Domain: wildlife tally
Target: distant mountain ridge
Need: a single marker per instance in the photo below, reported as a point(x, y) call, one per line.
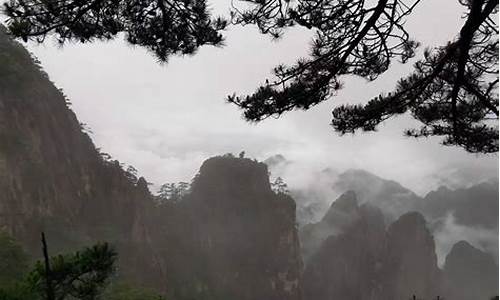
point(388, 195)
point(474, 207)
point(391, 253)
point(352, 254)
point(231, 236)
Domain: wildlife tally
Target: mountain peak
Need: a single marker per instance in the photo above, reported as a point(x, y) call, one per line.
point(343, 210)
point(221, 172)
point(463, 251)
point(346, 202)
point(409, 222)
point(472, 273)
point(463, 245)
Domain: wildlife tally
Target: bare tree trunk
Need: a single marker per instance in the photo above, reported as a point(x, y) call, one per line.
point(48, 279)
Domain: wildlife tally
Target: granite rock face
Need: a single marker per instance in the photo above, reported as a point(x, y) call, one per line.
point(231, 236)
point(348, 265)
point(367, 261)
point(342, 213)
point(53, 179)
point(410, 262)
point(241, 234)
point(470, 273)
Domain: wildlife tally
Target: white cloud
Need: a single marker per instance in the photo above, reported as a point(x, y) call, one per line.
point(449, 233)
point(165, 119)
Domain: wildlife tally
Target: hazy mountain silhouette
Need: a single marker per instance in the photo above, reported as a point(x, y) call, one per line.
point(469, 212)
point(388, 195)
point(231, 237)
point(471, 273)
point(347, 264)
point(342, 213)
point(350, 254)
point(473, 206)
point(368, 261)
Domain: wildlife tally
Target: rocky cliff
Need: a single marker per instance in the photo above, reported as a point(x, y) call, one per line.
point(353, 255)
point(364, 260)
point(470, 273)
point(342, 213)
point(348, 265)
point(52, 178)
point(239, 237)
point(410, 261)
point(232, 236)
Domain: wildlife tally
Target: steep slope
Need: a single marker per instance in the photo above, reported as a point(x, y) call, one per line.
point(232, 236)
point(342, 213)
point(347, 265)
point(471, 273)
point(239, 237)
point(410, 264)
point(367, 262)
point(51, 176)
point(388, 195)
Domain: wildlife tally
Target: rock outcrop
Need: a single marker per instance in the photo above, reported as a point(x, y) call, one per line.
point(388, 195)
point(53, 179)
point(348, 265)
point(241, 236)
point(232, 237)
point(470, 273)
point(410, 261)
point(366, 261)
point(342, 213)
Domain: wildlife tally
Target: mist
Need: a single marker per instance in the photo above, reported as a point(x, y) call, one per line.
point(132, 165)
point(448, 233)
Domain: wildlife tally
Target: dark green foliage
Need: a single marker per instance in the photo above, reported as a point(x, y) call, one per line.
point(81, 275)
point(18, 68)
point(453, 90)
point(19, 291)
point(13, 261)
point(84, 275)
point(163, 27)
point(14, 264)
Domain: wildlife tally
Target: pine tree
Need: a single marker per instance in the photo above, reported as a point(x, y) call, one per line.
point(81, 275)
point(163, 27)
point(453, 90)
point(279, 186)
point(131, 174)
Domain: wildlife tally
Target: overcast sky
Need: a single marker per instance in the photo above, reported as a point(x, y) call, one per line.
point(166, 119)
